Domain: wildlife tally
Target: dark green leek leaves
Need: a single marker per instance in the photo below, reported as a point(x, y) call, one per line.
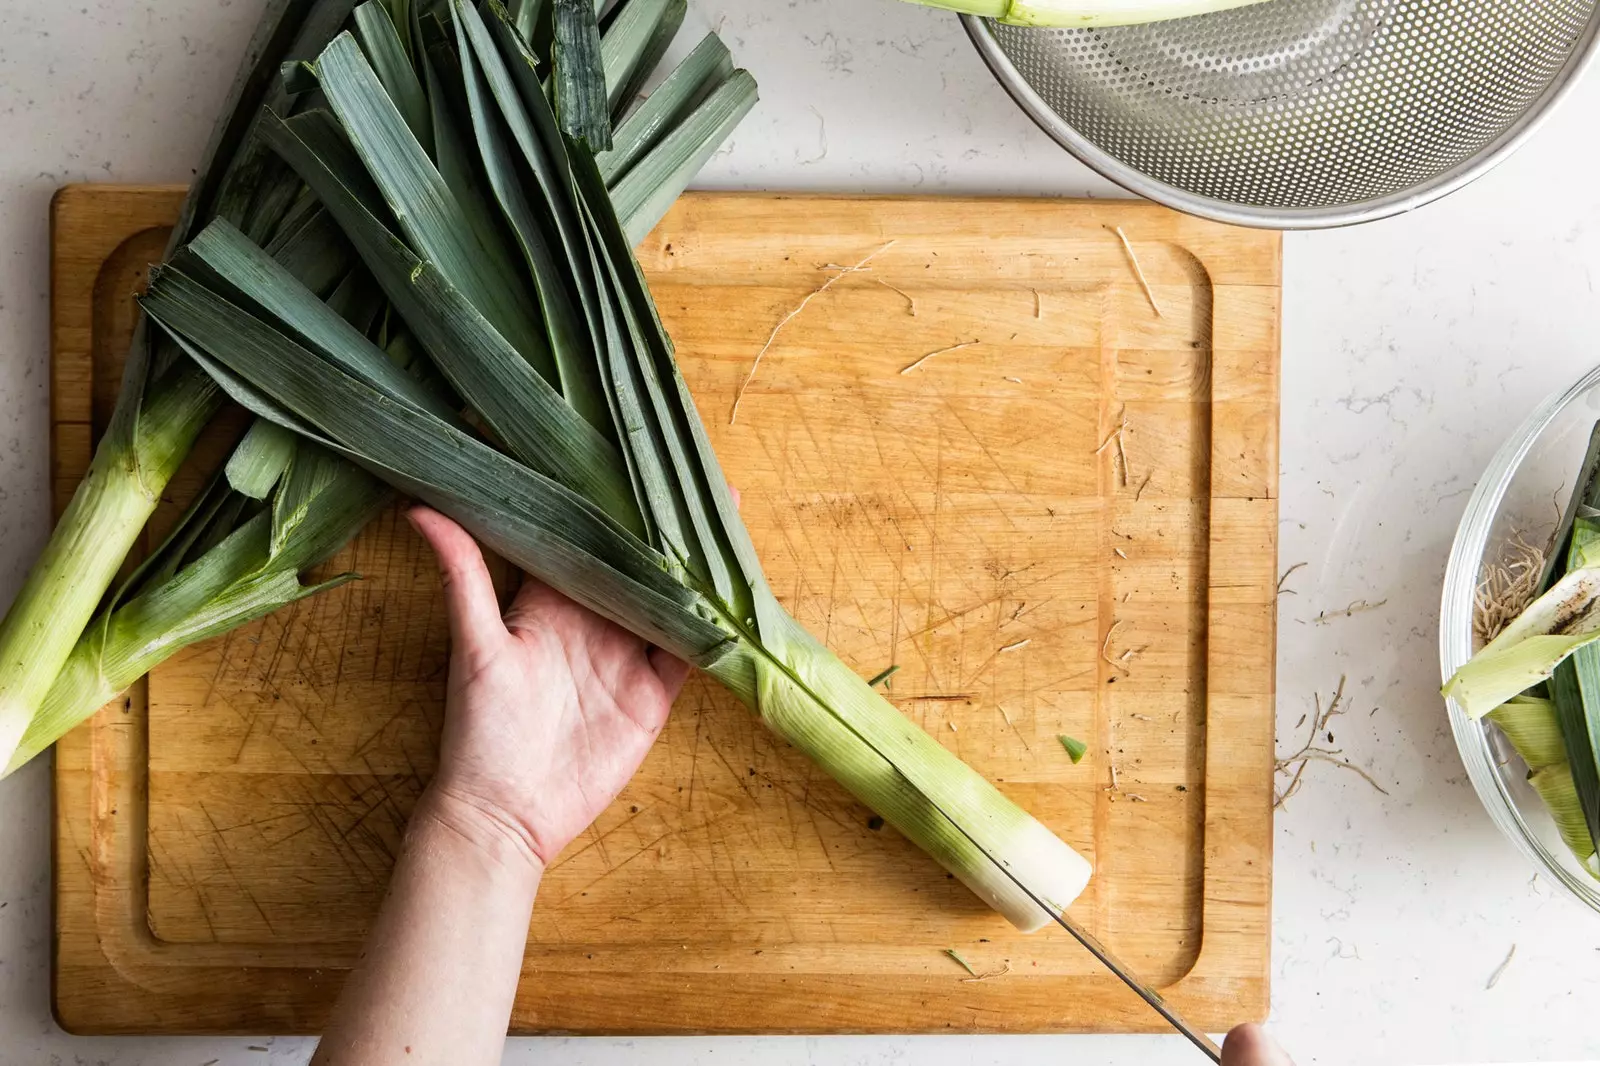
point(581, 99)
point(638, 197)
point(427, 210)
point(705, 68)
point(390, 60)
point(165, 401)
point(633, 42)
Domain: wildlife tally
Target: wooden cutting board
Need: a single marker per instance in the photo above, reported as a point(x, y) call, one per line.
point(224, 833)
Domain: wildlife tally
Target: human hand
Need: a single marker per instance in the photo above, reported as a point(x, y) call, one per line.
point(1249, 1045)
point(549, 710)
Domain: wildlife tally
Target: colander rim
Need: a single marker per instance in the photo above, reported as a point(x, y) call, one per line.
point(981, 31)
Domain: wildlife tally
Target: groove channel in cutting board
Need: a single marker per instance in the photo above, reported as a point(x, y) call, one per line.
point(224, 837)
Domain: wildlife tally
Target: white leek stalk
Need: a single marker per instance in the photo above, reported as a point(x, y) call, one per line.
point(822, 707)
point(107, 513)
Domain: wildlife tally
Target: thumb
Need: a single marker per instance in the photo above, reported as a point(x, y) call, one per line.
point(468, 591)
point(1249, 1045)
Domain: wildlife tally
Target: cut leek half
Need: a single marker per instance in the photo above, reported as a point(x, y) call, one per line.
point(1084, 13)
point(279, 507)
point(637, 522)
point(1528, 651)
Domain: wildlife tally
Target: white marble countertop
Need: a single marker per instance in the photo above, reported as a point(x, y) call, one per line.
point(1411, 348)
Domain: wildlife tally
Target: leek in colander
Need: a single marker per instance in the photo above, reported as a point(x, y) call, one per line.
point(1084, 13)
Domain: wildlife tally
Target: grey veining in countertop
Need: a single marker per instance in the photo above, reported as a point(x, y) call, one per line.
point(1411, 348)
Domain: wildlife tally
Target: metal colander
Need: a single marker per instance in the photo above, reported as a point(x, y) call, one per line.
point(1299, 113)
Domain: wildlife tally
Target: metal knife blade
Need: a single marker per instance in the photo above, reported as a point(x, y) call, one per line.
point(1098, 950)
point(1144, 991)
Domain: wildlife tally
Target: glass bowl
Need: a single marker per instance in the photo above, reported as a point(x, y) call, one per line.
point(1527, 482)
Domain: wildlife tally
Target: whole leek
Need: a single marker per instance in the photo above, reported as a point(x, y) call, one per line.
point(165, 400)
point(629, 514)
point(277, 509)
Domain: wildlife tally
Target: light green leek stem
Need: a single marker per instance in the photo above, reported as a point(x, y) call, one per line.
point(806, 695)
point(1084, 13)
point(80, 685)
point(107, 513)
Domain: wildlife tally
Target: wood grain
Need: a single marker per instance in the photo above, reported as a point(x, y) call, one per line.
point(225, 831)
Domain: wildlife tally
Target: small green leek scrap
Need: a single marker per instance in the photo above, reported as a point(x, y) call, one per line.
point(961, 962)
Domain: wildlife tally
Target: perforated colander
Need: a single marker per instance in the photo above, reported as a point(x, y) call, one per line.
point(1299, 113)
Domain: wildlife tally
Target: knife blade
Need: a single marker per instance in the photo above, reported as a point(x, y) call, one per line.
point(1144, 991)
point(1100, 952)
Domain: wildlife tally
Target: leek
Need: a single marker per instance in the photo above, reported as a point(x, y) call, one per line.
point(1084, 13)
point(634, 521)
point(280, 507)
point(165, 400)
point(1576, 686)
point(1528, 650)
point(252, 569)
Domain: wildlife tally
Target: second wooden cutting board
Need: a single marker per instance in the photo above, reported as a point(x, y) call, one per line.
point(224, 834)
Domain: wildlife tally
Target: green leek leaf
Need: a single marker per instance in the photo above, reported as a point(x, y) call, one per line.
point(641, 196)
point(708, 66)
point(524, 16)
point(259, 460)
point(428, 213)
point(581, 100)
point(484, 71)
point(470, 352)
point(1560, 796)
point(1076, 749)
point(511, 507)
point(390, 62)
point(1530, 723)
point(267, 286)
point(635, 38)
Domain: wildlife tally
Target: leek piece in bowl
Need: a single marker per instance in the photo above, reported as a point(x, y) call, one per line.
point(1524, 752)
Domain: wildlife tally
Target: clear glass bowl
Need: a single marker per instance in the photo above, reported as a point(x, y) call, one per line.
point(1529, 478)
